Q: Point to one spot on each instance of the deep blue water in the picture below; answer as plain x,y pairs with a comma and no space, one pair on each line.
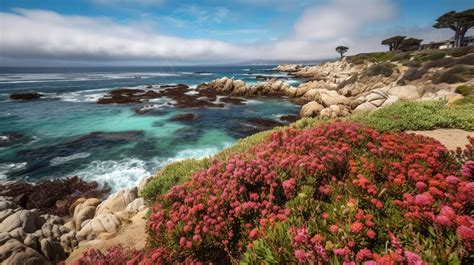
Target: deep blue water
67,133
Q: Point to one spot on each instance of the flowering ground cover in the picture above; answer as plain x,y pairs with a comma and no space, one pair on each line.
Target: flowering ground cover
336,193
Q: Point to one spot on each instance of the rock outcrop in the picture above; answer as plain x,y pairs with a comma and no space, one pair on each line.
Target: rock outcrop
26,96
27,237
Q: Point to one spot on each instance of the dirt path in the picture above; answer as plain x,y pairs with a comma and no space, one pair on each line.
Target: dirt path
451,138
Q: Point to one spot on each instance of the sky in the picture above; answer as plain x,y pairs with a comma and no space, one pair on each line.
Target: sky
171,32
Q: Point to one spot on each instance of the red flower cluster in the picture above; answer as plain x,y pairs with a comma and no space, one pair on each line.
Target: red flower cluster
341,183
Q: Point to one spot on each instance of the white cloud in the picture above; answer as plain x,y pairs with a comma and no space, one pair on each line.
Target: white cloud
52,36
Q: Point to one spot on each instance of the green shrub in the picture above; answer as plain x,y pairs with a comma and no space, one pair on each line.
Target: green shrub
465,90
458,52
411,63
171,175
406,115
469,100
385,69
401,57
375,57
456,74
433,56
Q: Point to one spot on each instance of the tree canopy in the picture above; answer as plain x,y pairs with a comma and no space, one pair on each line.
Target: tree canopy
459,22
341,50
410,44
394,42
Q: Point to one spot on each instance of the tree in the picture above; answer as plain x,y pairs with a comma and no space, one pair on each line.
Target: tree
459,22
410,44
394,42
342,50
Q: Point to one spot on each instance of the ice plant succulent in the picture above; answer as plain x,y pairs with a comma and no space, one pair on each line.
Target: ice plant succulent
338,192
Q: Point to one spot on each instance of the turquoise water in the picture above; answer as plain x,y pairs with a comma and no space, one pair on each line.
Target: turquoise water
67,133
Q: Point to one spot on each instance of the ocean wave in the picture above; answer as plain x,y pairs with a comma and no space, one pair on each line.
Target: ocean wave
64,159
7,168
47,77
118,174
128,172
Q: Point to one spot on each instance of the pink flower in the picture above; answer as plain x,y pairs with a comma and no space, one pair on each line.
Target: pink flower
364,254
465,233
300,255
333,229
182,241
420,185
424,199
325,216
413,259
356,227
452,180
341,251
443,220
253,233
371,233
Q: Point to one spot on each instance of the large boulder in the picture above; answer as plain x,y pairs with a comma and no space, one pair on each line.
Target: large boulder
311,109
29,220
117,201
102,223
408,92
331,97
334,111
13,252
52,249
366,106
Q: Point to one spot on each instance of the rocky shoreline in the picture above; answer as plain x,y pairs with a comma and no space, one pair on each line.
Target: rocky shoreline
333,89
339,88
29,237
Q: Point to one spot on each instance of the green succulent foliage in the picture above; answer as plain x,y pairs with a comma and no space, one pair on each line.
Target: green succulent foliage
407,115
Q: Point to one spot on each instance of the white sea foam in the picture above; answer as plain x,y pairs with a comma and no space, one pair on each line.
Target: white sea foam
7,168
64,159
128,172
118,174
252,101
62,77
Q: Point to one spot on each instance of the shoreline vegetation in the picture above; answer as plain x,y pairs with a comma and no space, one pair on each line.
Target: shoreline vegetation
344,182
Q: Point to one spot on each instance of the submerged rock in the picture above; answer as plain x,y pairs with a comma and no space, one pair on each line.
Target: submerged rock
289,118
26,96
185,117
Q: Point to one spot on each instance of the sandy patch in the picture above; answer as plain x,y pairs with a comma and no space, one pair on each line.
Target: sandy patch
451,138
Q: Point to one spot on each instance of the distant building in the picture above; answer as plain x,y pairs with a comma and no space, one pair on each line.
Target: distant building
446,44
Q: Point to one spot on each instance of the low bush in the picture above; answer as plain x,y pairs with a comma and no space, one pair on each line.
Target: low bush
458,52
385,69
338,192
375,57
432,56
469,100
407,115
456,74
465,90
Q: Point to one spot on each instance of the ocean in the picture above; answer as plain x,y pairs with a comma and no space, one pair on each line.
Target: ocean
66,133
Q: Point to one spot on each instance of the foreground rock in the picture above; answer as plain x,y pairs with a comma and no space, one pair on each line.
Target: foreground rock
27,237
26,96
